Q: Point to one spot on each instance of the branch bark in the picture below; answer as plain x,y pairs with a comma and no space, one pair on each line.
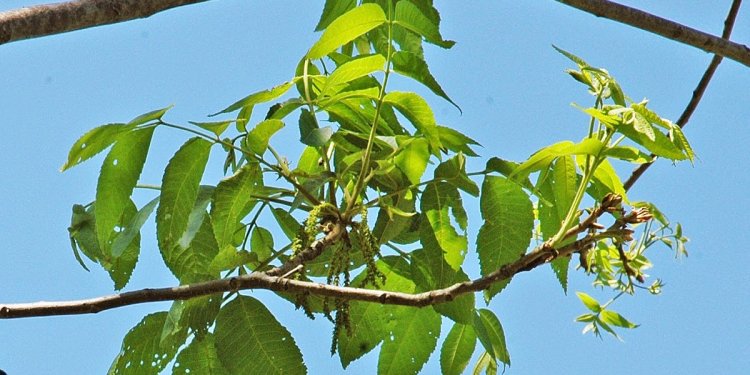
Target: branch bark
49,19
664,27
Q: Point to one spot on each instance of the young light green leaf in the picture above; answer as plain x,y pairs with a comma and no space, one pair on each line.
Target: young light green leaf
642,126
589,302
332,10
123,240
615,319
346,28
411,341
661,146
572,57
149,116
457,349
606,175
413,157
355,68
490,333
232,201
485,363
289,225
411,17
216,127
565,184
266,346
682,143
259,97
120,171
309,132
544,157
418,112
200,357
257,139
411,65
628,153
179,191
141,351
508,222
93,142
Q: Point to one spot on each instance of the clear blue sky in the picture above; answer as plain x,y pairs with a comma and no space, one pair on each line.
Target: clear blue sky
515,98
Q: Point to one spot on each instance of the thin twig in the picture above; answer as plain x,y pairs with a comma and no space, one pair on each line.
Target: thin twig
697,93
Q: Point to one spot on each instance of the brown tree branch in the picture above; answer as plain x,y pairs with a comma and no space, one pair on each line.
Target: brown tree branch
697,93
666,28
257,280
49,19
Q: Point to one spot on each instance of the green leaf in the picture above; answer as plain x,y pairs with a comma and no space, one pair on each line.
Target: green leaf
249,340
411,17
120,171
289,225
197,215
346,28
453,171
310,134
179,191
606,175
413,157
485,363
643,127
544,157
572,57
430,273
411,65
419,113
259,97
456,141
661,146
437,199
355,68
141,351
389,224
257,139
94,142
411,341
216,127
561,266
368,329
491,335
589,301
200,357
261,241
332,10
615,319
149,116
627,153
457,349
192,263
126,237
506,232
120,268
682,143
232,202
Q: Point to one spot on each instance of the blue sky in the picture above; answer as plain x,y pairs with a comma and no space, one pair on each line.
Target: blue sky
515,98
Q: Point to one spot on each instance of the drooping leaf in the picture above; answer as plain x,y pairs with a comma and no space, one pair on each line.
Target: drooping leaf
615,319
124,239
661,146
179,191
560,267
411,341
141,351
346,28
456,141
200,357
506,232
310,134
120,171
411,17
411,65
257,139
232,201
289,225
485,364
453,171
94,142
437,199
490,333
259,97
457,349
358,67
197,215
368,330
249,340
332,10
418,112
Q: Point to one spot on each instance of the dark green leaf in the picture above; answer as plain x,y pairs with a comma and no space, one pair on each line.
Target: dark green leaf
93,142
310,134
249,340
192,263
457,349
346,28
289,225
368,330
430,273
120,171
141,351
506,232
437,199
179,191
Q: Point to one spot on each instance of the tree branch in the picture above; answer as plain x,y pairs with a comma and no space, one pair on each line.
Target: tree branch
49,19
666,28
257,280
697,93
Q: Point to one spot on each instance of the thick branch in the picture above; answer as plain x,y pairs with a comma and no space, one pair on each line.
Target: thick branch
697,93
666,28
49,19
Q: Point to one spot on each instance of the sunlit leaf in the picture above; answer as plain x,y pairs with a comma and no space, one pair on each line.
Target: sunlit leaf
437,199
411,17
589,302
615,319
506,232
216,127
490,333
123,240
413,158
249,340
332,10
457,349
120,171
259,97
418,112
346,28
232,201
411,341
412,66
358,67
149,116
453,171
289,225
544,157
456,141
94,142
